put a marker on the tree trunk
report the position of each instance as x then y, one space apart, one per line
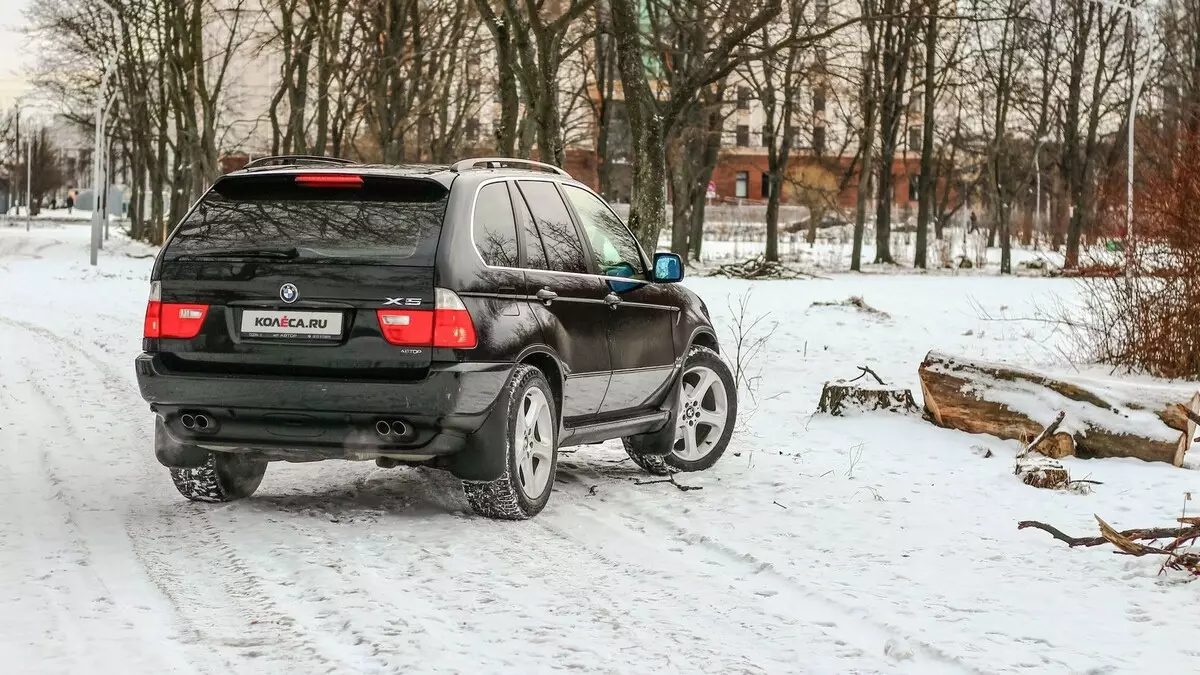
926 182
864 171
648 206
1103 418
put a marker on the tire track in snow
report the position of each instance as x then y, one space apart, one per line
789 594
336 620
388 602
187 587
100 607
486 588
260 594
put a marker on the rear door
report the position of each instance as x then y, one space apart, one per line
569 302
641 344
289 270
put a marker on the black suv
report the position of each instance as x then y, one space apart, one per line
474 318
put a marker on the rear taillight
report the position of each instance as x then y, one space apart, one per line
452 325
171 319
449 325
152 328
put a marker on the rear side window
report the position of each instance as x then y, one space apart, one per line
386 221
564 248
535 254
495 228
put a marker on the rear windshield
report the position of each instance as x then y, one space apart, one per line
398 225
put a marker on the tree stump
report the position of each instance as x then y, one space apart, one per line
841 396
1042 472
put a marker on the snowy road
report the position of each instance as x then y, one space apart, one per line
817 545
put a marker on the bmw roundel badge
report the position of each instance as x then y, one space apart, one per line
289 293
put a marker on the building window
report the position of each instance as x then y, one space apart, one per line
916 101
793 134
743 98
914 139
822 13
819 99
767 137
818 140
743 135
742 191
472 130
914 188
766 185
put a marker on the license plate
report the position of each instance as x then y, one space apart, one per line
300 325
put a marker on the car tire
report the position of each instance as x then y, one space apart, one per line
225 477
530 448
705 418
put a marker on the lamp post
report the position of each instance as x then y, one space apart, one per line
1135 88
28 182
1037 171
98 218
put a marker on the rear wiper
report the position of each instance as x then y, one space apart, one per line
248 252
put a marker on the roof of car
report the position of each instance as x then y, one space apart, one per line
480 167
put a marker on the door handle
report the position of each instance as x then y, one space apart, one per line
546 295
612 300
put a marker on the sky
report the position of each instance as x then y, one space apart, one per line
13 52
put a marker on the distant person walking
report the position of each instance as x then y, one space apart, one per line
70 200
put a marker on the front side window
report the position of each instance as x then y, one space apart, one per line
564 248
742 189
495 230
614 249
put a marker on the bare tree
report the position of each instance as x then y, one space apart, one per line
897 33
1091 34
777 80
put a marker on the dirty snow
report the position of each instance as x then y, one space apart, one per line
870 544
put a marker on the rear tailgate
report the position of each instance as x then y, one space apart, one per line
290 269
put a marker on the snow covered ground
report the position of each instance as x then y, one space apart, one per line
817 545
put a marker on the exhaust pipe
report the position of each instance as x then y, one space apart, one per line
189 422
202 422
390 431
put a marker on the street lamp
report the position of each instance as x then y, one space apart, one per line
1135 87
98 218
1037 170
28 182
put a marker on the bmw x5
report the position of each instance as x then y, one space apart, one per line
474 318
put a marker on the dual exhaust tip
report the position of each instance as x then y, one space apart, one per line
391 430
197 422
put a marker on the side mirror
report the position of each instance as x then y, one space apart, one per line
668 268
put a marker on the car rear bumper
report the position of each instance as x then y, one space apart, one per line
306 418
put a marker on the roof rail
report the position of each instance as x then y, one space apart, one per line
296 160
502 162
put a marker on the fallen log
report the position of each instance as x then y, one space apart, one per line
1104 417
